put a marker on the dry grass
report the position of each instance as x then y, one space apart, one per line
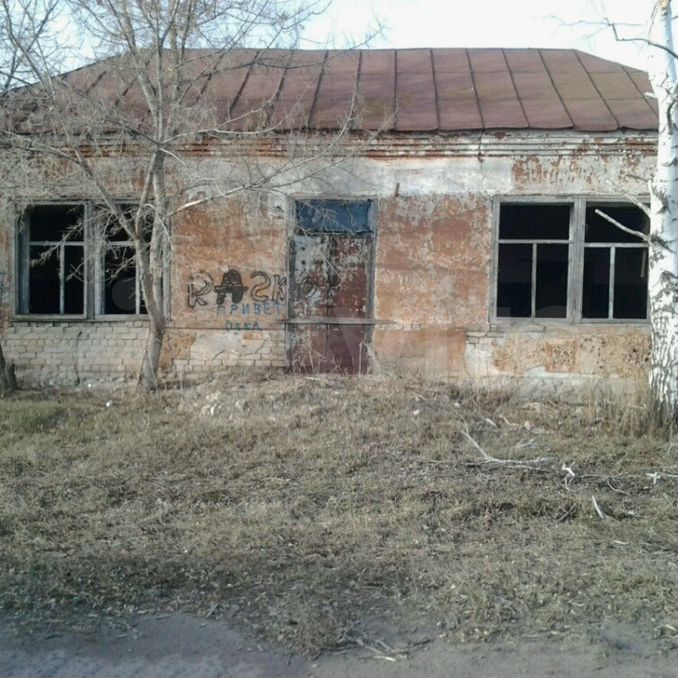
305 507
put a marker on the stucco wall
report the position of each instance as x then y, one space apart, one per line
432 278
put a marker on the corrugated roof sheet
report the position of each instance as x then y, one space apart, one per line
411 90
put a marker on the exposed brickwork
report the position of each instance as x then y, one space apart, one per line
215 350
72 352
432 279
75 352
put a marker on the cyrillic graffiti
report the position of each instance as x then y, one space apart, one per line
199 286
266 294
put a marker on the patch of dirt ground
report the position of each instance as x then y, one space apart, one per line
312 513
181 645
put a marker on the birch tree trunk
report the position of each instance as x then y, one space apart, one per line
663 264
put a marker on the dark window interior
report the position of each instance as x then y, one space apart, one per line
630 283
629 286
119 265
119 280
551 282
532 278
43 280
54 223
514 281
534 222
333 216
599 229
74 284
55 260
596 284
114 231
517 285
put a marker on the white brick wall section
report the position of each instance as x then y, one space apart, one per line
68 353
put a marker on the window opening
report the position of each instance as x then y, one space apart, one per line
533 261
52 275
614 285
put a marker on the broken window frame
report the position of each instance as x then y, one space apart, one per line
577 246
24 243
535 243
104 245
94 250
612 248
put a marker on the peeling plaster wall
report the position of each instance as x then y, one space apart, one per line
433 261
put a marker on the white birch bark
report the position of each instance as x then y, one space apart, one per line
663 255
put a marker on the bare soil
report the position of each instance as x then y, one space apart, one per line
182 645
335 518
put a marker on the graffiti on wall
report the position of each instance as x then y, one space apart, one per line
242 305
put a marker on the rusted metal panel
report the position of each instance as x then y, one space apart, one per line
376 89
594 64
524 60
407 90
415 93
346 350
310 261
541 103
330 287
335 99
487 60
298 91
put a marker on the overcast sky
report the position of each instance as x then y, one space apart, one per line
484 23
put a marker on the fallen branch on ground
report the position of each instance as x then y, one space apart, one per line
512 463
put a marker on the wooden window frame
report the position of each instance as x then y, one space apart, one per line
576 247
23 244
94 250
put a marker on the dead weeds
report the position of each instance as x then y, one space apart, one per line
305 507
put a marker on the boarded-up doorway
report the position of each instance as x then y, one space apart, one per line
330 303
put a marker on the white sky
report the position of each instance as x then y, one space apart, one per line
484 23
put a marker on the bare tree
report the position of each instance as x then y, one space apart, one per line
126 125
657 39
25 25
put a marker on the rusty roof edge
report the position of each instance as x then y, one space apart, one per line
644 95
545 142
452 144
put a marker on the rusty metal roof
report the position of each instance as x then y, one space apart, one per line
412 90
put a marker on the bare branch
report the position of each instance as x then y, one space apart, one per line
637 234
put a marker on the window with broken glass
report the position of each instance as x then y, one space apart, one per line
74 261
120 288
614 283
570 261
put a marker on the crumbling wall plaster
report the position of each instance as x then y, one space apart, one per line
433 262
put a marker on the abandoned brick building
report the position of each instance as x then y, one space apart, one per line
462 241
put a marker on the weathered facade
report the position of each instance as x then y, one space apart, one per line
461 251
